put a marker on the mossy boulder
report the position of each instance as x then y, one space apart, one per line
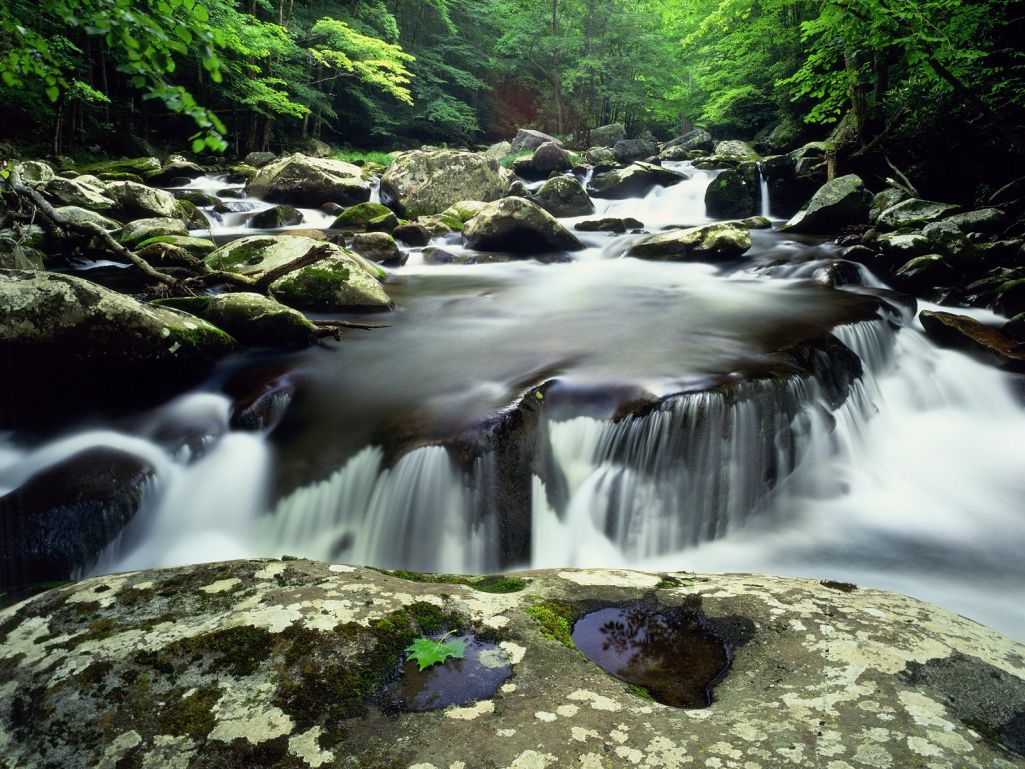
697 139
913 212
564 196
529 139
728 196
176 169
518 226
138 201
372 217
198 247
256 254
135 232
425 182
988 221
633 181
838 203
925 272
275 217
252 319
334 284
881 201
35 173
607 135
142 166
709 243
734 150
598 156
309 182
463 211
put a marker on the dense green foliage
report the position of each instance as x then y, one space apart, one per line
384 73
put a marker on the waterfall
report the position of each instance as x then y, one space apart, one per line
763 193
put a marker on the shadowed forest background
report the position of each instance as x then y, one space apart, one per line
891 83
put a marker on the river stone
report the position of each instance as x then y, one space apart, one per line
35 173
913 212
85 216
175 169
141 166
988 221
436 256
275 217
421 182
257 254
362 215
309 182
252 319
969 335
709 243
499 150
696 139
926 272
607 135
728 197
137 231
900 247
527 139
378 247
609 224
138 201
59 520
839 203
551 157
259 159
564 196
412 234
74 192
598 156
628 150
464 210
338 283
278 660
633 181
732 149
17 256
198 247
518 226
888 198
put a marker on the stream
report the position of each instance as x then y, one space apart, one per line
594 410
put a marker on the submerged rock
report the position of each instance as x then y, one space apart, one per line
838 203
58 521
309 182
427 182
281 662
708 243
252 319
519 226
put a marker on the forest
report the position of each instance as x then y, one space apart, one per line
894 82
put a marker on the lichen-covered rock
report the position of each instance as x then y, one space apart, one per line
607 135
633 181
728 197
176 168
288 664
708 243
75 192
913 212
427 182
35 172
888 198
276 217
598 156
840 202
335 284
629 150
378 247
732 149
141 166
309 182
551 157
988 221
527 139
367 216
257 254
925 272
985 342
252 319
198 247
137 231
464 210
518 226
900 247
138 201
59 520
696 139
80 215
564 196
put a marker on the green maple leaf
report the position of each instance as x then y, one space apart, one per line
427 651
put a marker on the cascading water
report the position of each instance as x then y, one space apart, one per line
913 482
763 194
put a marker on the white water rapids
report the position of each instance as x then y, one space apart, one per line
916 483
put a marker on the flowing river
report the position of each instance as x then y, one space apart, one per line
596 410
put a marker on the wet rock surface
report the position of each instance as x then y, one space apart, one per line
270 663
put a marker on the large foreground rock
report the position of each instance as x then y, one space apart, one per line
309 182
288 663
519 226
427 182
709 243
838 203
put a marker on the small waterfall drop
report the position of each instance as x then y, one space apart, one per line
763 194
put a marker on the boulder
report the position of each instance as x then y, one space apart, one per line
74 192
59 520
199 198
135 232
412 234
628 150
988 221
297 663
635 180
527 139
275 217
464 210
518 226
427 182
1015 327
259 159
35 173
697 139
564 196
600 156
926 272
252 319
438 256
83 215
609 224
949 240
722 242
368 216
378 247
839 203
499 150
198 247
140 166
607 135
309 182
913 212
257 254
729 197
175 169
14 255
551 157
900 248
335 284
969 335
314 147
138 201
731 149
888 198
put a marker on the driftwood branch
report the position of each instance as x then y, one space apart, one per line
905 182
